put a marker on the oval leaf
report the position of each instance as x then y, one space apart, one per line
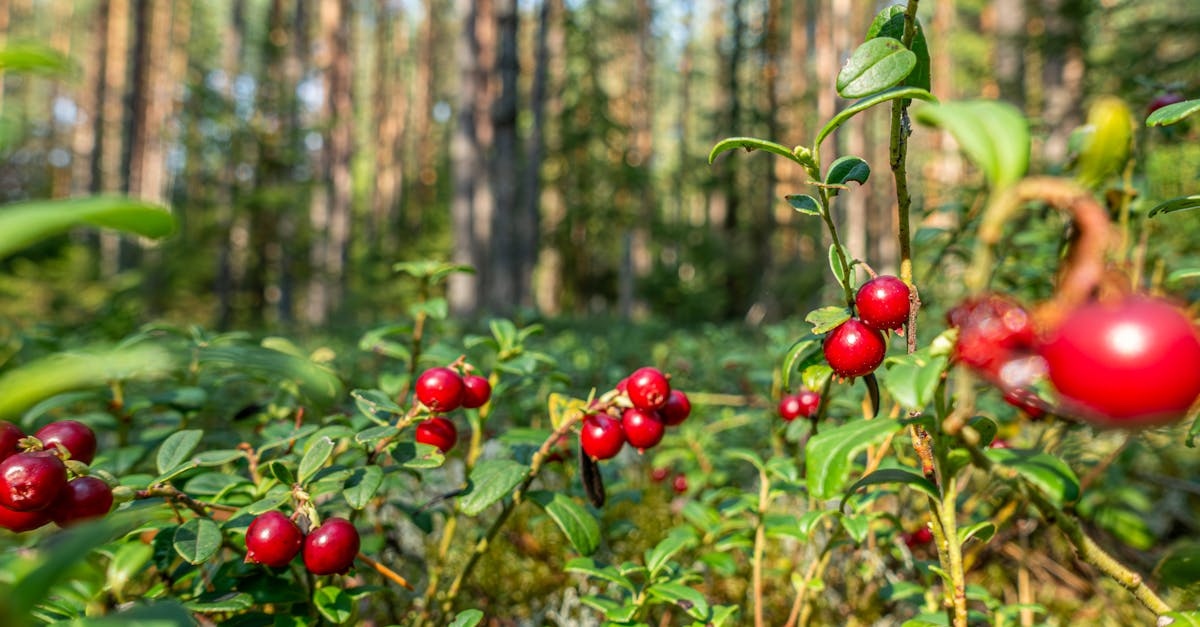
846 169
804 351
334 604
993 134
828 454
467 618
874 66
827 319
912 93
25 223
176 449
1046 472
688 599
491 481
1182 203
804 204
314 458
197 540
892 475
362 485
890 23
753 143
580 527
1173 113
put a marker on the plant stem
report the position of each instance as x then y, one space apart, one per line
760 541
899 157
958 594
385 571
843 259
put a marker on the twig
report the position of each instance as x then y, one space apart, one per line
385 571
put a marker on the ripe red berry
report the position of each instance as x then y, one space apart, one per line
331 548
476 391
1163 100
17 522
658 475
643 429
992 331
440 389
679 483
273 540
919 537
1134 363
999 443
439 432
1027 401
882 303
76 437
677 408
789 407
31 481
648 388
853 349
83 498
10 436
601 436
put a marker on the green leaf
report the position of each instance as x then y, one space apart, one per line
576 523
490 481
892 475
432 272
856 526
1173 113
804 203
827 319
801 352
800 155
809 521
867 103
467 618
993 134
657 557
1180 275
228 602
688 599
835 266
334 604
1180 567
1046 472
34 58
318 453
127 561
435 308
1127 525
828 454
197 540
815 376
846 169
25 223
1105 149
591 568
281 471
417 456
890 23
314 380
376 433
745 455
874 66
176 448
982 531
361 485
912 379
1181 619
1182 203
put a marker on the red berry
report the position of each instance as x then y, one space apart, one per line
648 388
677 408
440 389
623 384
882 303
1134 363
679 483
1027 401
273 540
853 349
76 437
439 432
992 332
17 522
601 436
918 537
331 548
643 429
83 498
10 435
31 481
1163 100
476 391
802 404
999 443
658 475
789 407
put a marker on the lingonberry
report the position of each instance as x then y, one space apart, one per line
918 537
658 475
439 432
601 436
17 522
83 498
853 349
810 402
677 408
999 443
331 548
994 332
31 481
476 391
76 437
1163 100
1133 363
642 428
648 388
679 483
1027 401
882 303
273 540
440 389
10 436
789 407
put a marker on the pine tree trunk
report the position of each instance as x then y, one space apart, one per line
528 217
107 156
504 264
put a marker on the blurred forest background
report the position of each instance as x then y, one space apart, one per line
559 146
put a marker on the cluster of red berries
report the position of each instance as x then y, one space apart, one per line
444 390
35 485
918 537
679 483
1134 362
856 347
643 407
804 403
274 540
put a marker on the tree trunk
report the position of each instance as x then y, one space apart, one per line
426 151
549 284
528 218
1062 77
637 256
391 110
504 264
231 247
765 303
1009 59
107 156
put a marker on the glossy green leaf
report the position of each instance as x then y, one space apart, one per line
1182 203
314 458
886 476
578 524
913 378
228 602
1105 149
815 376
890 23
912 93
1180 567
1173 113
827 319
688 599
467 618
828 454
835 266
856 526
197 540
589 567
34 58
25 223
128 560
316 381
281 472
417 456
176 448
809 521
361 485
846 169
490 481
432 272
1128 525
1048 473
874 66
1182 275
804 203
1181 619
982 531
803 351
334 604
658 556
751 144
993 134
